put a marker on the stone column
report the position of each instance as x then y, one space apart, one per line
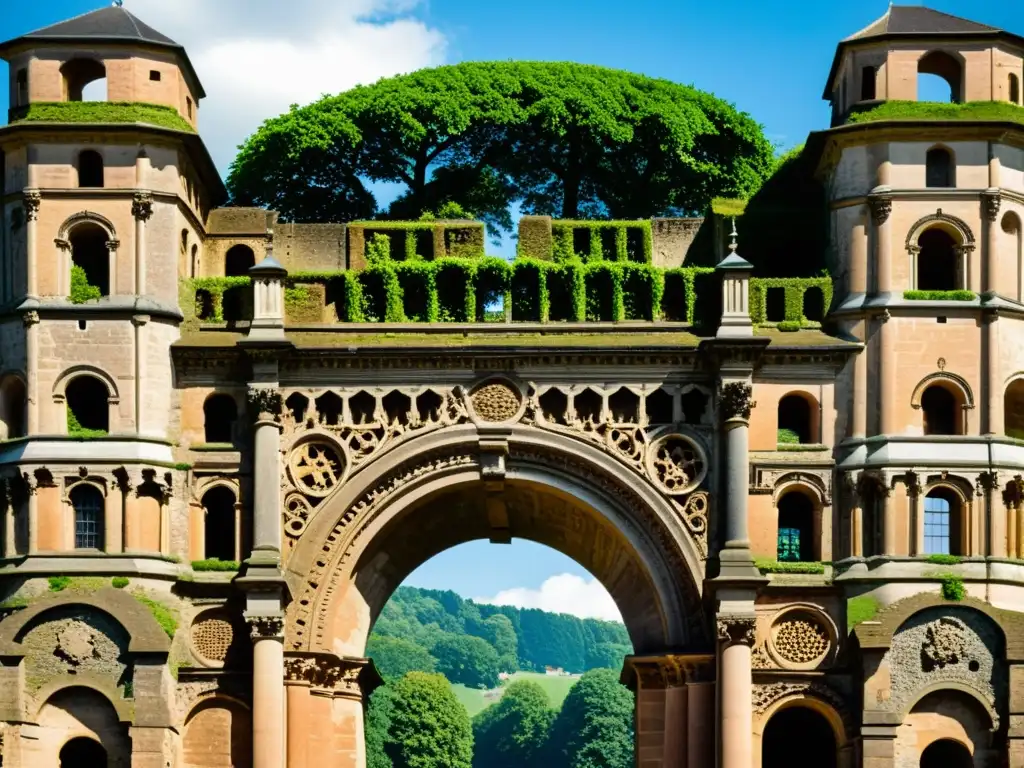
859 255
31 322
859 420
735 404
737 635
881 208
142 210
890 518
297 685
886 403
267 690
856 516
31 201
140 322
10 520
112 246
997 521
914 491
266 475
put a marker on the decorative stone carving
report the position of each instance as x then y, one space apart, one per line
264 400
317 468
736 630
881 208
496 402
325 673
212 634
142 206
677 464
990 202
75 640
735 400
297 513
75 645
767 694
800 639
31 201
945 644
265 627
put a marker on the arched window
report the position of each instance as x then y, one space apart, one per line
239 260
219 415
195 261
798 736
83 752
946 753
87 502
939 78
1013 410
796 420
219 525
91 255
1014 89
90 169
942 522
21 89
796 528
940 170
88 406
867 84
12 408
943 410
938 262
84 80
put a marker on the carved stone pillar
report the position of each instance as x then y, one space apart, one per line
992 407
735 404
142 210
737 635
886 403
31 322
267 691
890 518
112 247
140 322
856 532
989 482
990 203
914 491
265 404
881 208
31 202
859 419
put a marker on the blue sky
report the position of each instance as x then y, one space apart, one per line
255 58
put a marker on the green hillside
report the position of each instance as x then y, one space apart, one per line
471 644
476 700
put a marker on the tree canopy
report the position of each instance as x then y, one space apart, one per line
395 657
469 660
513 732
565 139
594 729
427 726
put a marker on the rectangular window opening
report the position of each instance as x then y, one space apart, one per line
154 75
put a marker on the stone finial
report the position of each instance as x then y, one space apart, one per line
268 300
735 271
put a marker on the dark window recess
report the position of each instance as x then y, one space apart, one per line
154 75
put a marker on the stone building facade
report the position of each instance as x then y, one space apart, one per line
174 399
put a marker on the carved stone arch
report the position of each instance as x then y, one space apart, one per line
203 698
73 372
815 697
952 379
203 485
956 227
964 688
99 483
337 546
959 486
123 707
85 217
812 484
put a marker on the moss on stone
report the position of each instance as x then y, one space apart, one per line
165 616
859 610
104 112
994 111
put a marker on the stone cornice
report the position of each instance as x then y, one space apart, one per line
919 194
667 670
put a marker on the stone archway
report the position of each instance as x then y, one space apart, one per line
461 484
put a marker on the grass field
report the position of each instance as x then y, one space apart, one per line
476 700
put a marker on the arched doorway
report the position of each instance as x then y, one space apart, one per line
429 496
798 736
946 753
83 753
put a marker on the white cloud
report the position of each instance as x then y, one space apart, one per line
565 593
257 57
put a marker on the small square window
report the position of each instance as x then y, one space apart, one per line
154 75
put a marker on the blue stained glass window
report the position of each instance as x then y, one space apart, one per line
789 544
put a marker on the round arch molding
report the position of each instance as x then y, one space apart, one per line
459 485
956 227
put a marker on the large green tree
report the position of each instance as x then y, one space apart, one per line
567 139
428 727
395 657
595 727
513 732
469 660
378 723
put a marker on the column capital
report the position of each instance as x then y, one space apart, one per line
881 208
737 630
30 201
735 400
265 627
265 403
667 671
991 200
344 677
142 205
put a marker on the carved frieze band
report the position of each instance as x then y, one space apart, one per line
327 673
737 630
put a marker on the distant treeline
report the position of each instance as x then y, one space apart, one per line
429 630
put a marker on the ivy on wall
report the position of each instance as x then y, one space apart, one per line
794 306
82 290
592 241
